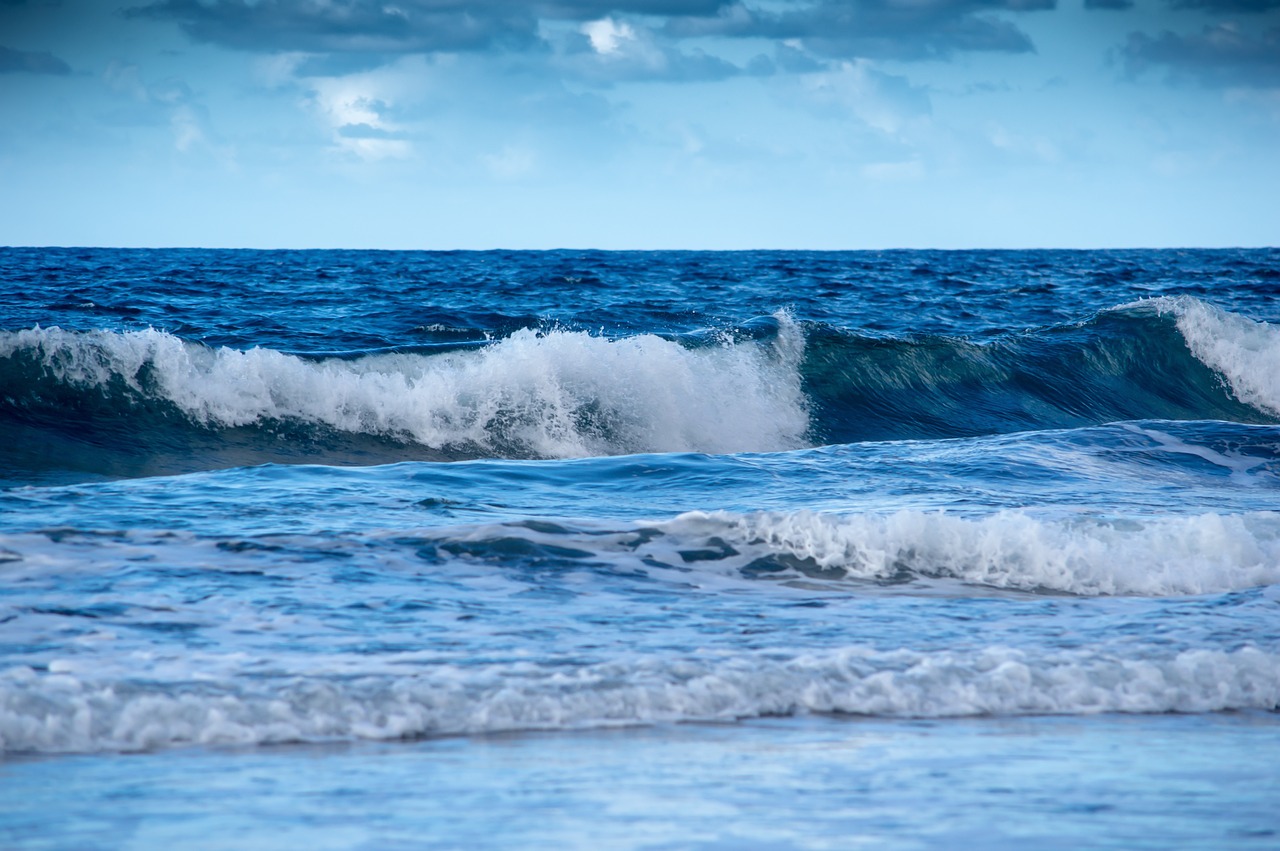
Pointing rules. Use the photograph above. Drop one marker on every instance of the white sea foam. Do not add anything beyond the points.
(1244, 352)
(554, 394)
(60, 712)
(1163, 556)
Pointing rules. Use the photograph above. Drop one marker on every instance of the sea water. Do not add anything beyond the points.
(642, 549)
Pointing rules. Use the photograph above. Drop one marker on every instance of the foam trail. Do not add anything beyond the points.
(555, 394)
(1171, 556)
(64, 711)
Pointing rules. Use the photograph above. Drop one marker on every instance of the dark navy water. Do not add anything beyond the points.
(327, 523)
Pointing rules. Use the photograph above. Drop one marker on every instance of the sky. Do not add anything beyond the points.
(640, 124)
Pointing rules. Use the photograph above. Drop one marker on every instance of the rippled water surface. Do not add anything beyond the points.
(750, 549)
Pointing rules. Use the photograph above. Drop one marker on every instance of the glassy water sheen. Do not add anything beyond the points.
(580, 549)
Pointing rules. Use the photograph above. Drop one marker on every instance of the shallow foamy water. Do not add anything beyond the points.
(1057, 782)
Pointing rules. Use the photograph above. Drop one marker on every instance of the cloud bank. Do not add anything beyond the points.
(893, 29)
(1222, 54)
(834, 29)
(23, 61)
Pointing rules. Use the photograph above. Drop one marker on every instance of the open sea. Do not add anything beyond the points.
(572, 549)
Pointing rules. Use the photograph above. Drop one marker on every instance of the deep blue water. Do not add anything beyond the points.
(255, 504)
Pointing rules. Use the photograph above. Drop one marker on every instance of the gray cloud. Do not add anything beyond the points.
(610, 52)
(1227, 5)
(674, 66)
(377, 27)
(586, 10)
(898, 29)
(18, 61)
(901, 29)
(355, 26)
(795, 61)
(1222, 54)
(365, 131)
(338, 64)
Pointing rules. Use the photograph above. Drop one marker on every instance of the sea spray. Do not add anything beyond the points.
(1245, 353)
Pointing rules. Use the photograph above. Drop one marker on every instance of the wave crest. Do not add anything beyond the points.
(1244, 352)
(768, 385)
(553, 394)
(1084, 556)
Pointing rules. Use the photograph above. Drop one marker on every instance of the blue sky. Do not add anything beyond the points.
(640, 123)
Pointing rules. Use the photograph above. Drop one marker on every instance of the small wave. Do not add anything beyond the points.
(1078, 555)
(1167, 359)
(1171, 556)
(67, 710)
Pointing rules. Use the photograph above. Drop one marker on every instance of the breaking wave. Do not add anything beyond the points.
(1087, 556)
(142, 402)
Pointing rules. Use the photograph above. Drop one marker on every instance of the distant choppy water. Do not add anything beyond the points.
(259, 497)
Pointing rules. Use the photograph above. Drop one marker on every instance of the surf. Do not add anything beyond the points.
(70, 710)
(1165, 359)
(146, 402)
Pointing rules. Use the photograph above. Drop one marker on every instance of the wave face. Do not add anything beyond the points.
(148, 401)
(1082, 556)
(1170, 358)
(552, 394)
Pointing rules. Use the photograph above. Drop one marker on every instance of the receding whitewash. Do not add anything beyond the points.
(58, 711)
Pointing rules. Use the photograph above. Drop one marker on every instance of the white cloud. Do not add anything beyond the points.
(607, 35)
(884, 102)
(616, 51)
(358, 110)
(169, 101)
(622, 49)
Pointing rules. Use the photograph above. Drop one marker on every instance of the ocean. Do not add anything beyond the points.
(577, 549)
